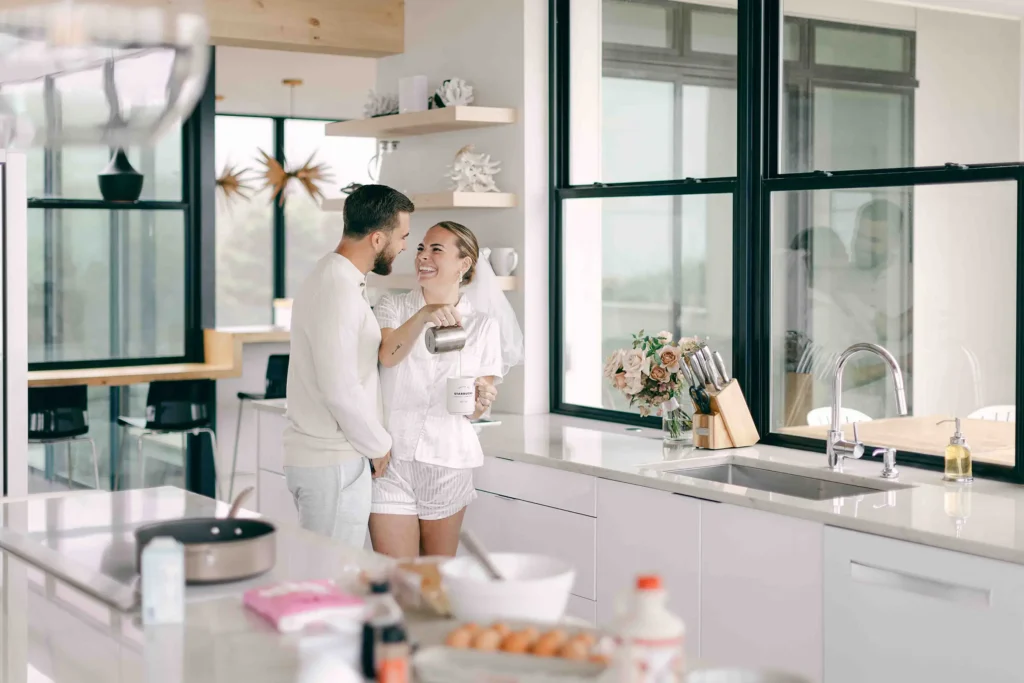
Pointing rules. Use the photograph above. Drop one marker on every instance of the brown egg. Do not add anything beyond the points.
(574, 649)
(587, 639)
(549, 643)
(599, 659)
(461, 638)
(487, 640)
(501, 628)
(519, 642)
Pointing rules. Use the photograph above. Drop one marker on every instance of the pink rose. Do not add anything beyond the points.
(659, 374)
(620, 380)
(669, 356)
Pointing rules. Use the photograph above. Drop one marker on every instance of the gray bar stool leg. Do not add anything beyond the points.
(142, 459)
(95, 463)
(234, 457)
(67, 456)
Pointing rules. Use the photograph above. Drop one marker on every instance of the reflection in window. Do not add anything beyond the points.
(641, 263)
(892, 266)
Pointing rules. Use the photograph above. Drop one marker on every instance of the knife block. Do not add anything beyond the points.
(729, 425)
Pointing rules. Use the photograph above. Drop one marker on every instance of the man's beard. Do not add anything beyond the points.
(383, 261)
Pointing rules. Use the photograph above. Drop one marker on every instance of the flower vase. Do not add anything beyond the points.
(675, 423)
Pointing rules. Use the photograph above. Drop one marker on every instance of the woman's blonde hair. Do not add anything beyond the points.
(468, 246)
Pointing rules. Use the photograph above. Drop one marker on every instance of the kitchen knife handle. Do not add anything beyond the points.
(720, 364)
(716, 379)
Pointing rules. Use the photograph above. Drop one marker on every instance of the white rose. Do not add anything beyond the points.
(633, 361)
(634, 384)
(665, 336)
(614, 362)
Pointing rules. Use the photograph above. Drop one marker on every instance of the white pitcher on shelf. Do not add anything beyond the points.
(504, 261)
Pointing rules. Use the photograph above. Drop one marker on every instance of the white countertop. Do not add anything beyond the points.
(993, 528)
(50, 631)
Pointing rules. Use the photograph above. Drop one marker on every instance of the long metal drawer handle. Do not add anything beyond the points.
(920, 585)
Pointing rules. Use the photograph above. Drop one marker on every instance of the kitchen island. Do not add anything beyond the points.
(51, 630)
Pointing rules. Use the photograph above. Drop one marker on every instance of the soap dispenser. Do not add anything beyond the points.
(958, 457)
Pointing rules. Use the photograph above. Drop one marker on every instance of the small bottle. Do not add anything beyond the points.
(650, 637)
(958, 457)
(163, 582)
(382, 611)
(393, 655)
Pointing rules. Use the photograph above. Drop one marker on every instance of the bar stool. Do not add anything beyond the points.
(274, 387)
(61, 415)
(173, 408)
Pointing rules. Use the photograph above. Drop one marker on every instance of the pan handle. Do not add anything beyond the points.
(239, 499)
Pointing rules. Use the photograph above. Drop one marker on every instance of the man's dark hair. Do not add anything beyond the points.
(372, 208)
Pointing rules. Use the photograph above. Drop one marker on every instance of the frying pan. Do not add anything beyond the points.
(217, 550)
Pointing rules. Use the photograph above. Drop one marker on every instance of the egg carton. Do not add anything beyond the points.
(450, 665)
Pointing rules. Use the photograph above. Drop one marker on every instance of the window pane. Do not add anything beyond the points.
(791, 41)
(639, 115)
(893, 267)
(245, 226)
(634, 23)
(105, 284)
(862, 49)
(860, 129)
(934, 86)
(641, 263)
(713, 32)
(309, 231)
(74, 170)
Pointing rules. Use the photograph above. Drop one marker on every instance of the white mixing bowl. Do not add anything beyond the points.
(536, 588)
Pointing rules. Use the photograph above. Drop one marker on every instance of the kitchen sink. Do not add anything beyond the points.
(774, 481)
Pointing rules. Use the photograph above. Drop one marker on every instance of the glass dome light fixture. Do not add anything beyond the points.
(99, 72)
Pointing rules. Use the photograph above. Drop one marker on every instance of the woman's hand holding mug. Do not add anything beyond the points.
(486, 392)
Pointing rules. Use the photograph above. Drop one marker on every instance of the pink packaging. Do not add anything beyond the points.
(292, 605)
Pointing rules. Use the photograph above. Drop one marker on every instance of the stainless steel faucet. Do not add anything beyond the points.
(837, 446)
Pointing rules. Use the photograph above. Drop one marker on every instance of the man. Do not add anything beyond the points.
(335, 440)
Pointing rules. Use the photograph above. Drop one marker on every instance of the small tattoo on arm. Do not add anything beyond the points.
(396, 349)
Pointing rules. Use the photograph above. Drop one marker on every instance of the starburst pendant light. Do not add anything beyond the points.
(99, 72)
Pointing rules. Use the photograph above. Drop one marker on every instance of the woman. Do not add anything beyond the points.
(420, 500)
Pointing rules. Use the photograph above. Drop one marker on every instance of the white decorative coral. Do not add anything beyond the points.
(453, 92)
(473, 172)
(380, 105)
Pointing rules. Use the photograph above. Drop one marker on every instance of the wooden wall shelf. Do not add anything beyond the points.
(423, 122)
(445, 200)
(399, 281)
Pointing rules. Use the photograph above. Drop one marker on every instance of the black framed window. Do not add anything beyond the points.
(265, 249)
(867, 158)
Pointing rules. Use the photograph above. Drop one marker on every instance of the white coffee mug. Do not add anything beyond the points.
(461, 395)
(504, 260)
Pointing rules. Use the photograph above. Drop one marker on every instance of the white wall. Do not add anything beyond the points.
(501, 48)
(334, 87)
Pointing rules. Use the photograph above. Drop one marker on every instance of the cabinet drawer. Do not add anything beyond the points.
(510, 525)
(275, 500)
(538, 484)
(898, 611)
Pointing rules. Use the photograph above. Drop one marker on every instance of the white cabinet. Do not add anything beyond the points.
(276, 501)
(538, 484)
(509, 525)
(642, 530)
(898, 611)
(761, 590)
